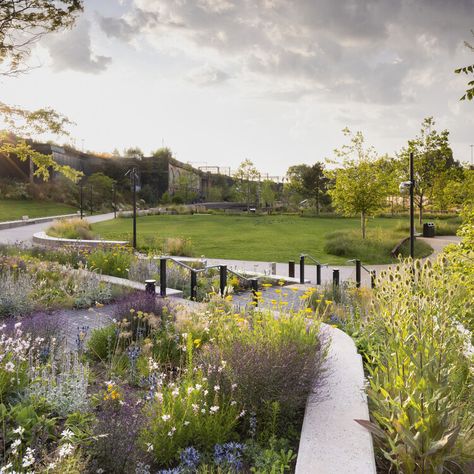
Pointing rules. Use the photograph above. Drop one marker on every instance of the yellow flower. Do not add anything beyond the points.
(294, 289)
(197, 342)
(308, 310)
(328, 301)
(278, 291)
(266, 285)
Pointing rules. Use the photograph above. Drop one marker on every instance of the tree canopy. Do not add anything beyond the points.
(468, 70)
(23, 22)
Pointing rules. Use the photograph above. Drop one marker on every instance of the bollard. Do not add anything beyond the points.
(254, 286)
(291, 269)
(274, 268)
(150, 287)
(335, 277)
(373, 276)
(302, 269)
(163, 276)
(223, 278)
(358, 273)
(318, 274)
(193, 285)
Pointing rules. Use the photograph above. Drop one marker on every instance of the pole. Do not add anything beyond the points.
(358, 273)
(114, 190)
(134, 180)
(223, 278)
(412, 207)
(81, 198)
(302, 269)
(318, 274)
(92, 208)
(291, 268)
(163, 277)
(193, 285)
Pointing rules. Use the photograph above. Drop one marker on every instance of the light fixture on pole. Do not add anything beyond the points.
(408, 187)
(133, 173)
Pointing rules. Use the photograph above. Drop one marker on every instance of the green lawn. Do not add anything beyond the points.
(265, 238)
(13, 210)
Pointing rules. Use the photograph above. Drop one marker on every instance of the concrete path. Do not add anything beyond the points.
(347, 272)
(25, 233)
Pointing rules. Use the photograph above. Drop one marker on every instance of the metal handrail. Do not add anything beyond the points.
(241, 276)
(314, 260)
(361, 266)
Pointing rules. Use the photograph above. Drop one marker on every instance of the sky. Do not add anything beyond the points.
(274, 81)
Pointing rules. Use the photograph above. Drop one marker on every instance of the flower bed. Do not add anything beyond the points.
(163, 389)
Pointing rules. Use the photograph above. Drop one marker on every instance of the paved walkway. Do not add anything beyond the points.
(25, 233)
(347, 272)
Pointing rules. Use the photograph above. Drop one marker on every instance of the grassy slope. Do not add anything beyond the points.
(265, 238)
(13, 210)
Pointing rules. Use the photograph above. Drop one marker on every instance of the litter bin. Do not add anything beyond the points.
(428, 229)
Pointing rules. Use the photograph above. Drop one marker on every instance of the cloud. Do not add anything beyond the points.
(207, 76)
(73, 50)
(364, 50)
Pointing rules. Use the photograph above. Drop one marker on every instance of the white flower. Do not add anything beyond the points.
(203, 411)
(100, 471)
(242, 413)
(214, 409)
(232, 403)
(149, 448)
(15, 445)
(10, 367)
(234, 386)
(195, 407)
(17, 325)
(198, 386)
(51, 465)
(216, 388)
(165, 417)
(67, 434)
(28, 458)
(171, 431)
(66, 450)
(186, 423)
(159, 396)
(175, 392)
(206, 392)
(190, 389)
(20, 430)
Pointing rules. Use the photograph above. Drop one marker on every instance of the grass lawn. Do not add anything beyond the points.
(13, 210)
(264, 238)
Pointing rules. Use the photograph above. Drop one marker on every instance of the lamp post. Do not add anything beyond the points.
(132, 172)
(91, 202)
(410, 187)
(114, 198)
(81, 197)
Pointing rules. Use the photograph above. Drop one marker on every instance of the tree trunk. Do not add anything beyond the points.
(362, 222)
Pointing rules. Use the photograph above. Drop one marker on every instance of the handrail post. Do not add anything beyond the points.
(335, 282)
(163, 276)
(254, 284)
(318, 274)
(150, 287)
(291, 269)
(223, 278)
(193, 285)
(373, 276)
(358, 273)
(302, 269)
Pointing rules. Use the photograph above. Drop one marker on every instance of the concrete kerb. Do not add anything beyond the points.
(43, 239)
(332, 442)
(34, 220)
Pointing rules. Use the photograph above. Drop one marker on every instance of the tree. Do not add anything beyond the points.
(23, 22)
(469, 70)
(100, 189)
(357, 187)
(133, 152)
(310, 182)
(246, 176)
(268, 195)
(432, 156)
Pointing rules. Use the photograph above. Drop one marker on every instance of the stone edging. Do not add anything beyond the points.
(33, 220)
(331, 441)
(44, 239)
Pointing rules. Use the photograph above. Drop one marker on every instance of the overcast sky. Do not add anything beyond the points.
(274, 81)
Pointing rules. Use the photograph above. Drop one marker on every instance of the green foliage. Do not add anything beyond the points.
(468, 70)
(358, 187)
(420, 385)
(115, 262)
(71, 229)
(246, 178)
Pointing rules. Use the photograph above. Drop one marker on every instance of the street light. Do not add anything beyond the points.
(81, 197)
(132, 172)
(405, 188)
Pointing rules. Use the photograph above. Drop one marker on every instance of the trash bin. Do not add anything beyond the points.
(428, 229)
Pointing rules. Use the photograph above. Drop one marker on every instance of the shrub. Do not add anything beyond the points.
(420, 385)
(90, 290)
(188, 411)
(115, 262)
(102, 341)
(62, 386)
(266, 355)
(16, 288)
(71, 229)
(178, 246)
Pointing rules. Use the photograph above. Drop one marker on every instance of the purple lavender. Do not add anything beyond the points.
(229, 456)
(190, 459)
